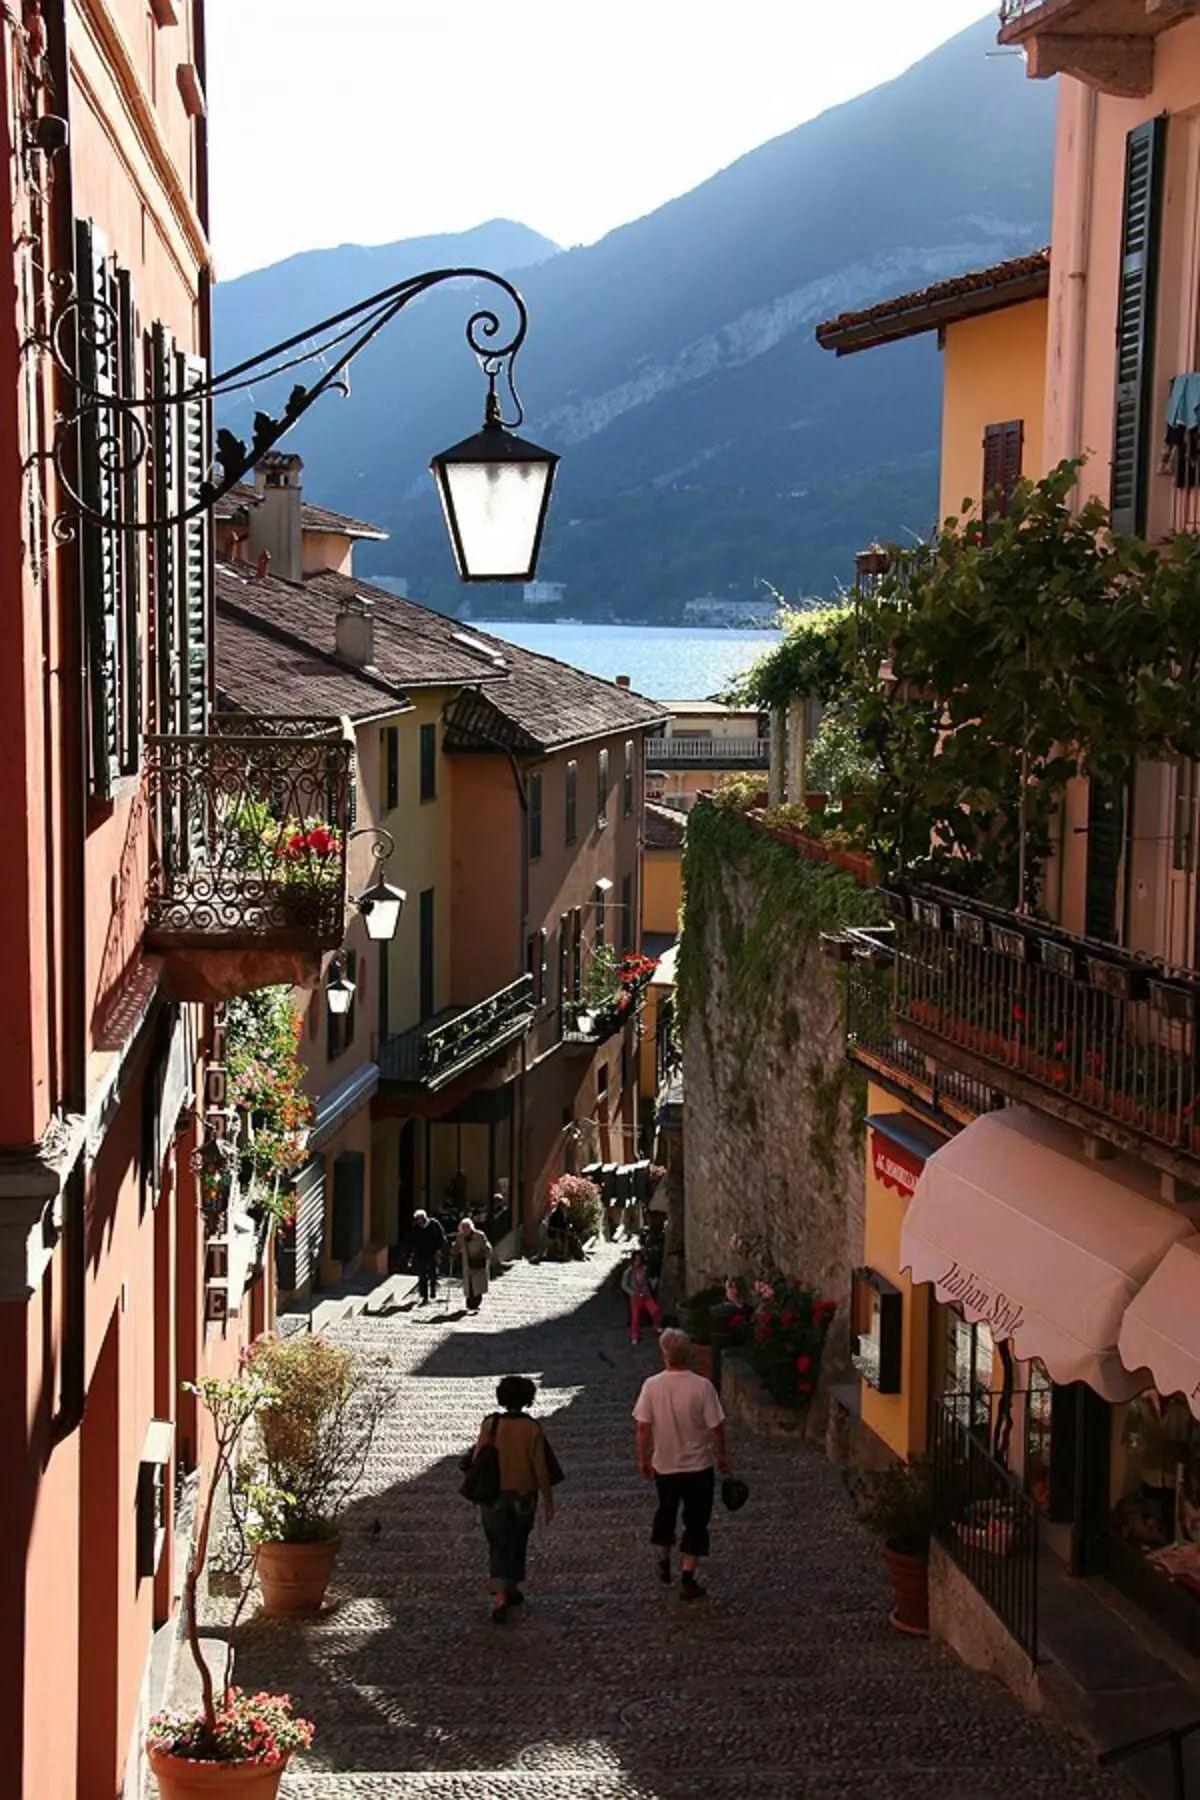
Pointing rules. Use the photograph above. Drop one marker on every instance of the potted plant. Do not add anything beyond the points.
(306, 1455)
(238, 1742)
(897, 1502)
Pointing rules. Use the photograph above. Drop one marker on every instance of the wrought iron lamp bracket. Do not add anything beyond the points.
(122, 424)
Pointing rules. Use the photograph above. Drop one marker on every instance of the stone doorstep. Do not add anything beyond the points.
(1100, 1677)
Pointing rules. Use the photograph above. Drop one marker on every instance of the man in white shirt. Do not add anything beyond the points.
(680, 1436)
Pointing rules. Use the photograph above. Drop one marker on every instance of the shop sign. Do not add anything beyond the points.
(980, 1301)
(895, 1166)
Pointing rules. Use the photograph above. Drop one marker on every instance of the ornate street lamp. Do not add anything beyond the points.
(339, 993)
(495, 490)
(380, 904)
(494, 487)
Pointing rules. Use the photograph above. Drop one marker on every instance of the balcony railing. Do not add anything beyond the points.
(1102, 1038)
(879, 1046)
(709, 752)
(248, 841)
(986, 1522)
(445, 1047)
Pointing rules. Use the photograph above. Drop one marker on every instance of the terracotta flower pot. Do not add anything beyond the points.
(910, 1589)
(293, 1577)
(179, 1778)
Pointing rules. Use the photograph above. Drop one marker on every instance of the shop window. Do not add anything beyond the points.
(875, 1327)
(1157, 1484)
(967, 1387)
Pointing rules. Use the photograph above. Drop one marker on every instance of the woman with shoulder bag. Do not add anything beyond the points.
(476, 1253)
(515, 1461)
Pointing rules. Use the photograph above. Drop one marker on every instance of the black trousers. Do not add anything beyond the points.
(427, 1276)
(693, 1489)
(507, 1524)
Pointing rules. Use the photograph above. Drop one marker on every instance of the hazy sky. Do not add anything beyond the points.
(364, 121)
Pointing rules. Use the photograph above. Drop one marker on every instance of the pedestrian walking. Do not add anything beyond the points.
(426, 1241)
(476, 1254)
(558, 1225)
(680, 1436)
(636, 1283)
(525, 1467)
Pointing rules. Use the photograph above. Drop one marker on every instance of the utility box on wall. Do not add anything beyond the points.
(876, 1317)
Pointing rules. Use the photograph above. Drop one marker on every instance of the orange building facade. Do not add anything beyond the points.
(114, 1288)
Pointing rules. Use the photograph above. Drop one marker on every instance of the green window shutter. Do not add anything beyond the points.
(1104, 831)
(193, 550)
(131, 558)
(1140, 228)
(169, 679)
(100, 487)
(428, 767)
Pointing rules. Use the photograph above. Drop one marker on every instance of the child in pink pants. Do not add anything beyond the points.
(636, 1283)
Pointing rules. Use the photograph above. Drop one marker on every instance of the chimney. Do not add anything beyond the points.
(355, 632)
(263, 563)
(622, 681)
(275, 521)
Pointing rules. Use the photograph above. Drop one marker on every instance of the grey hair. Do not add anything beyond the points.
(676, 1348)
(467, 1225)
(420, 1216)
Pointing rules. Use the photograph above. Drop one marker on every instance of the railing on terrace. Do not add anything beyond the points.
(709, 752)
(1101, 1037)
(879, 1047)
(446, 1047)
(248, 839)
(1011, 10)
(986, 1522)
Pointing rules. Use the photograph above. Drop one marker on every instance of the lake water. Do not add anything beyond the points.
(661, 662)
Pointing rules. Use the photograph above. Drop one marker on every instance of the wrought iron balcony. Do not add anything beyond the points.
(708, 752)
(432, 1055)
(1095, 1035)
(881, 1048)
(248, 836)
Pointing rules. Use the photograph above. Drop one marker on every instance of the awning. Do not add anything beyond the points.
(1161, 1330)
(1012, 1223)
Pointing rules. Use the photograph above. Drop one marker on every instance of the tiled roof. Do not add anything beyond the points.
(663, 828)
(512, 699)
(531, 703)
(262, 668)
(243, 495)
(961, 297)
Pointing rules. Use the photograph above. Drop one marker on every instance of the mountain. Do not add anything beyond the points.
(707, 442)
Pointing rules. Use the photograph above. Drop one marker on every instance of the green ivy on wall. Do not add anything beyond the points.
(762, 958)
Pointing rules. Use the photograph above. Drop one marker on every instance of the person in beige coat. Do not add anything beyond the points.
(476, 1254)
(524, 1474)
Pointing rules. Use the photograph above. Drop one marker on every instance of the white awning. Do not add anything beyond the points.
(1161, 1330)
(1015, 1225)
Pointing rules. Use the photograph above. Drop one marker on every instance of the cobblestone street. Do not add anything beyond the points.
(788, 1682)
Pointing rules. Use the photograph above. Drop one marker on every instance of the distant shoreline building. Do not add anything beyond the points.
(749, 615)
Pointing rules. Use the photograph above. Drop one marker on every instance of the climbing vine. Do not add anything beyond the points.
(794, 902)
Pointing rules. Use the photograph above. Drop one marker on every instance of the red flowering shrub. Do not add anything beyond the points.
(253, 1728)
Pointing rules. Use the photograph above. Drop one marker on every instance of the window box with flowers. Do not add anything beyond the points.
(612, 993)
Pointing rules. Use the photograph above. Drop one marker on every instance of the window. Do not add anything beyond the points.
(428, 984)
(1002, 445)
(389, 758)
(627, 790)
(428, 762)
(571, 802)
(339, 1027)
(601, 789)
(535, 815)
(628, 938)
(598, 919)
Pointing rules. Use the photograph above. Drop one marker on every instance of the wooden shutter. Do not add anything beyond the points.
(131, 548)
(1140, 226)
(192, 438)
(1002, 447)
(1105, 820)
(169, 680)
(100, 488)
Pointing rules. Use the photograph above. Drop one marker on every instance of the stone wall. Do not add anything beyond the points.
(772, 1116)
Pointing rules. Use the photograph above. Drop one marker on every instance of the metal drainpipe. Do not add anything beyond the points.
(73, 1371)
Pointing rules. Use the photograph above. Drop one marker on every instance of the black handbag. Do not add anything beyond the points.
(481, 1483)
